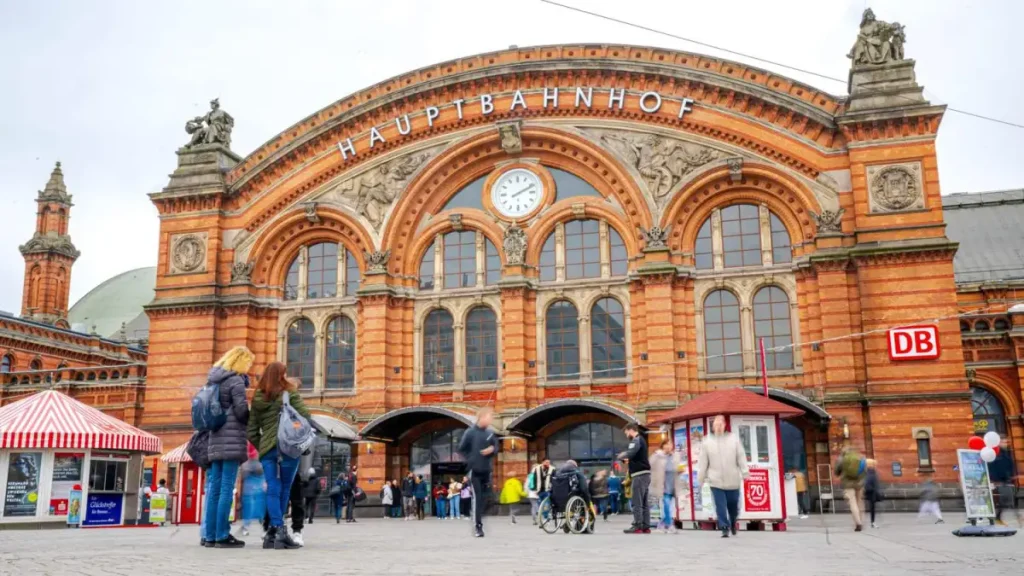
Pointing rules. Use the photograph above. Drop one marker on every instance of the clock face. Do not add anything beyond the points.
(517, 193)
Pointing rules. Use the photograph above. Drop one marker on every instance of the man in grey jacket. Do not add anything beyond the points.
(723, 464)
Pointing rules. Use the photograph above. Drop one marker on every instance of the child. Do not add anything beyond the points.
(930, 501)
(801, 491)
(254, 491)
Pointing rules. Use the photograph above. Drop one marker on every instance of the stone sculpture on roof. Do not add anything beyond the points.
(213, 128)
(877, 42)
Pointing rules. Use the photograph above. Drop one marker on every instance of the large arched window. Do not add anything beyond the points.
(741, 235)
(316, 273)
(739, 238)
(988, 412)
(340, 361)
(563, 341)
(722, 343)
(782, 252)
(481, 345)
(702, 251)
(301, 352)
(438, 348)
(590, 443)
(458, 262)
(608, 338)
(583, 255)
(771, 322)
(6, 364)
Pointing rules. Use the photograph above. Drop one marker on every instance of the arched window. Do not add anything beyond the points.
(548, 260)
(492, 263)
(608, 338)
(291, 281)
(618, 255)
(1001, 324)
(36, 365)
(562, 331)
(79, 377)
(741, 235)
(341, 354)
(91, 377)
(771, 322)
(427, 269)
(988, 412)
(703, 253)
(322, 275)
(590, 443)
(965, 326)
(568, 185)
(6, 364)
(481, 345)
(468, 197)
(352, 277)
(981, 326)
(460, 259)
(301, 352)
(582, 249)
(782, 251)
(115, 375)
(439, 447)
(722, 344)
(438, 348)
(34, 294)
(103, 375)
(924, 449)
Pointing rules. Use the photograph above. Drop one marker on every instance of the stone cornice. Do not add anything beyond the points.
(43, 244)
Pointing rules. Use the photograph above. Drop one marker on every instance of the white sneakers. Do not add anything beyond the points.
(297, 537)
(803, 516)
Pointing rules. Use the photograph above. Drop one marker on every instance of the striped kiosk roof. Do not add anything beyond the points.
(50, 419)
(177, 455)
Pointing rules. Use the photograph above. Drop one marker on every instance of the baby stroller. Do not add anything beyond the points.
(568, 507)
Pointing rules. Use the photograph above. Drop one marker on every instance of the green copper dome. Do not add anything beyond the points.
(115, 301)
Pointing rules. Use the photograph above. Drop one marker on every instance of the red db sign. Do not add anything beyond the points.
(914, 343)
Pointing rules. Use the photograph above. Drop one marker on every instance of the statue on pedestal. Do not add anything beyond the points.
(213, 128)
(877, 42)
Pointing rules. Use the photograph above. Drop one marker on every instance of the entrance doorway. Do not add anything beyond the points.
(593, 445)
(190, 494)
(435, 456)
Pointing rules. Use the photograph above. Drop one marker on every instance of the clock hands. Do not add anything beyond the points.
(523, 190)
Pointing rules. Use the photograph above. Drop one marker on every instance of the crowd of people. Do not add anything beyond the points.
(272, 482)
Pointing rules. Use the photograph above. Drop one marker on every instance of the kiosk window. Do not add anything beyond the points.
(107, 475)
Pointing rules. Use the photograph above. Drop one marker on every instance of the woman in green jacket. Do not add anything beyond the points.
(278, 469)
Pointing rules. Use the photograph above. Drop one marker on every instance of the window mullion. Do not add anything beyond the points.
(481, 259)
(303, 271)
(606, 252)
(342, 275)
(439, 263)
(747, 344)
(764, 221)
(560, 252)
(717, 250)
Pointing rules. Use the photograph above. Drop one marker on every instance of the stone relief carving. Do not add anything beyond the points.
(213, 128)
(877, 42)
(661, 162)
(511, 140)
(656, 236)
(895, 187)
(829, 221)
(241, 272)
(514, 244)
(456, 221)
(579, 210)
(311, 213)
(735, 168)
(377, 261)
(373, 192)
(188, 253)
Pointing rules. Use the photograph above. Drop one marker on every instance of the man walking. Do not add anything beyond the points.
(723, 464)
(409, 496)
(851, 468)
(478, 446)
(640, 479)
(1000, 472)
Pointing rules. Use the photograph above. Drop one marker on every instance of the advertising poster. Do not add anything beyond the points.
(67, 472)
(975, 484)
(22, 495)
(681, 441)
(158, 508)
(756, 495)
(103, 510)
(703, 503)
(75, 507)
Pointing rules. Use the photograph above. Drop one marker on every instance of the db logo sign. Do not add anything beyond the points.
(914, 343)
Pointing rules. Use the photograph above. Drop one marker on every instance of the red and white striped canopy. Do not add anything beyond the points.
(177, 455)
(50, 419)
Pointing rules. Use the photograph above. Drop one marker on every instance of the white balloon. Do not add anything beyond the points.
(992, 439)
(988, 454)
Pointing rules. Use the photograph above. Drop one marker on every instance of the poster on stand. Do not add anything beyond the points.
(681, 442)
(67, 472)
(74, 508)
(22, 496)
(158, 508)
(703, 503)
(103, 510)
(974, 483)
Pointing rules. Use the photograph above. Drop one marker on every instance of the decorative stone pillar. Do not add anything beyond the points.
(319, 362)
(303, 273)
(717, 250)
(439, 263)
(606, 252)
(560, 252)
(585, 340)
(342, 272)
(481, 260)
(459, 371)
(766, 235)
(747, 343)
(512, 355)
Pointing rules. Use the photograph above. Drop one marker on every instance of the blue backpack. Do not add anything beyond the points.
(207, 413)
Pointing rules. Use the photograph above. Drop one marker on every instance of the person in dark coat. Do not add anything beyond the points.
(228, 447)
(872, 489)
(310, 492)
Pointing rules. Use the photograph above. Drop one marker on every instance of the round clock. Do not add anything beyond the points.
(517, 192)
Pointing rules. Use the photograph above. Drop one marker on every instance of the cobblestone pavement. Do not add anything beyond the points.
(373, 546)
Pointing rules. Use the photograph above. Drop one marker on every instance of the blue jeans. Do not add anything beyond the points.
(442, 507)
(667, 510)
(280, 472)
(540, 499)
(453, 505)
(601, 504)
(727, 507)
(614, 500)
(202, 517)
(338, 504)
(220, 484)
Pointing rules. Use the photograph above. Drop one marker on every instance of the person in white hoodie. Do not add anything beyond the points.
(723, 465)
(386, 497)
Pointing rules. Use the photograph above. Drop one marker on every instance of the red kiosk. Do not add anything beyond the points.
(756, 420)
(191, 486)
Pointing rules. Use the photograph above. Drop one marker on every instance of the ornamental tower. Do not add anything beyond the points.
(49, 256)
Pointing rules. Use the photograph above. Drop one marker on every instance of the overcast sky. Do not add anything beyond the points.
(106, 87)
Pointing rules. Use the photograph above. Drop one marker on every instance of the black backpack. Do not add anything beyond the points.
(198, 449)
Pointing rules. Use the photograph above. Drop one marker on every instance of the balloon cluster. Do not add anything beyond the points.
(987, 445)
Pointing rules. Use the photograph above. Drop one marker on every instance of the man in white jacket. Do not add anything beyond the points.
(723, 464)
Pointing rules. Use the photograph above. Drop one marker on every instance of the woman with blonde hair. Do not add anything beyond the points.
(227, 448)
(278, 469)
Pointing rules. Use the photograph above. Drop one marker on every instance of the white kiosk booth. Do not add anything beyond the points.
(755, 419)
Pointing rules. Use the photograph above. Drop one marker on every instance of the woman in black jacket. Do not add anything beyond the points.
(228, 446)
(872, 489)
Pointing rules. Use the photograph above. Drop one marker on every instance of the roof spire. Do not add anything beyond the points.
(55, 189)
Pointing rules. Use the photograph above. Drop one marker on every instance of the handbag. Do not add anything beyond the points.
(358, 495)
(335, 491)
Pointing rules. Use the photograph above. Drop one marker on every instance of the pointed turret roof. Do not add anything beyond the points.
(55, 190)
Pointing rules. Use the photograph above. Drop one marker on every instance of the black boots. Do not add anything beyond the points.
(283, 540)
(269, 537)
